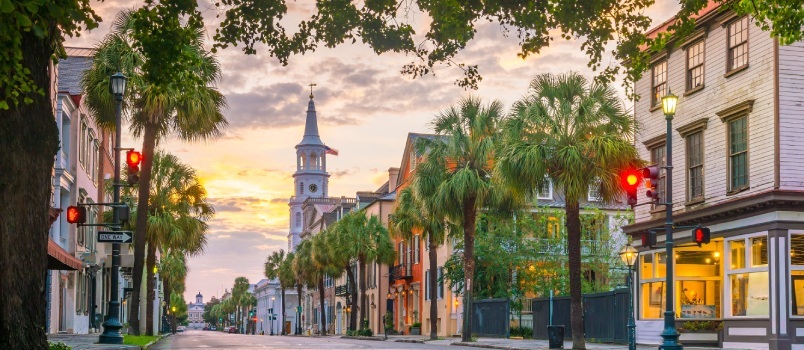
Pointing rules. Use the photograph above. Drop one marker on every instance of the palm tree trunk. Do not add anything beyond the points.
(323, 330)
(28, 143)
(283, 313)
(363, 306)
(298, 314)
(469, 218)
(433, 255)
(350, 280)
(166, 289)
(151, 293)
(148, 145)
(574, 253)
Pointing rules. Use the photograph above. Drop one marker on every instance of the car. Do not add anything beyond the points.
(232, 330)
(213, 328)
(181, 328)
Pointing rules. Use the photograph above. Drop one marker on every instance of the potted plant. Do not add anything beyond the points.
(416, 327)
(701, 332)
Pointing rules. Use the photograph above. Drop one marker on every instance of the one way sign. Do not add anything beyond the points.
(115, 236)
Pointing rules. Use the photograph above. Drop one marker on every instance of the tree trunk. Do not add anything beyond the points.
(469, 218)
(350, 280)
(151, 285)
(166, 289)
(298, 314)
(363, 306)
(283, 313)
(28, 142)
(148, 145)
(574, 253)
(323, 330)
(433, 255)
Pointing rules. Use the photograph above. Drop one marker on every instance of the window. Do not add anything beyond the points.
(416, 248)
(413, 161)
(298, 219)
(738, 153)
(657, 156)
(593, 192)
(546, 190)
(301, 187)
(747, 276)
(427, 285)
(440, 283)
(695, 65)
(738, 44)
(695, 166)
(659, 89)
(797, 274)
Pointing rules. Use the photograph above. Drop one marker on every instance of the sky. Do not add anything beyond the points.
(366, 108)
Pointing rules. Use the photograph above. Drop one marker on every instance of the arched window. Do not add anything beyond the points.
(298, 219)
(301, 187)
(313, 161)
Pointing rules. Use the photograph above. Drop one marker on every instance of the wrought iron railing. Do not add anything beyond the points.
(401, 271)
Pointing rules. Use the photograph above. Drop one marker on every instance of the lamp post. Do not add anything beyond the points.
(111, 327)
(173, 324)
(629, 256)
(271, 318)
(389, 296)
(669, 335)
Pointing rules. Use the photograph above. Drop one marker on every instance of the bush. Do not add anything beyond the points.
(524, 332)
(416, 325)
(59, 346)
(366, 332)
(351, 333)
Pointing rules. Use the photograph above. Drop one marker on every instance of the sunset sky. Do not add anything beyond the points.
(365, 107)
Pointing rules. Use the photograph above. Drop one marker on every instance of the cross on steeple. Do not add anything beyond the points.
(311, 90)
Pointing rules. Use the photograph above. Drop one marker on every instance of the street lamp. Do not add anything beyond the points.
(111, 327)
(670, 334)
(629, 255)
(173, 324)
(272, 314)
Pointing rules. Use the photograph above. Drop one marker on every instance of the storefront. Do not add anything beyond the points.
(743, 289)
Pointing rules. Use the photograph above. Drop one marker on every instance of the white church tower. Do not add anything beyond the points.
(311, 178)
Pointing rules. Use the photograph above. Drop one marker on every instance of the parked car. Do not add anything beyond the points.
(213, 328)
(181, 328)
(232, 330)
(205, 328)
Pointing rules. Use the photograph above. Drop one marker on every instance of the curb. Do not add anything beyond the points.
(362, 338)
(415, 341)
(486, 346)
(161, 336)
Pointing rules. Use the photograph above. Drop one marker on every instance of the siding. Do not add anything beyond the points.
(791, 115)
(756, 82)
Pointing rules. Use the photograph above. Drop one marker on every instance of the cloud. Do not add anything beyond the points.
(343, 172)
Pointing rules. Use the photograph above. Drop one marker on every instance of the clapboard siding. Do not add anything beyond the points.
(755, 83)
(791, 116)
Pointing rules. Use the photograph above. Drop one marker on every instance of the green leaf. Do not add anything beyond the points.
(3, 105)
(6, 6)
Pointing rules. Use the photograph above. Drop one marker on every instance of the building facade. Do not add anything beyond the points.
(195, 313)
(737, 171)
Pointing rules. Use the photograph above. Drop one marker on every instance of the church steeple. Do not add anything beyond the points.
(311, 136)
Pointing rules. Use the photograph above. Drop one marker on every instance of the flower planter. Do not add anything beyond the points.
(415, 331)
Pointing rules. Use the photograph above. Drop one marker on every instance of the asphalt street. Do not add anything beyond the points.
(218, 340)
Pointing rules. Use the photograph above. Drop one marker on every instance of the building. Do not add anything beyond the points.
(270, 318)
(195, 313)
(737, 171)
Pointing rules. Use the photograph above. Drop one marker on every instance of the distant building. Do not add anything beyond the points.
(195, 313)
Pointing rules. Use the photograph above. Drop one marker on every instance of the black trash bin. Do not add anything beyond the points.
(555, 336)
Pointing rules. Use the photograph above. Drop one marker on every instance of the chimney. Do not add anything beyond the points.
(393, 176)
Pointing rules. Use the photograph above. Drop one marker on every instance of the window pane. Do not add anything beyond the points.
(653, 299)
(737, 249)
(749, 294)
(703, 262)
(797, 250)
(646, 269)
(695, 164)
(759, 251)
(699, 299)
(797, 283)
(661, 265)
(695, 60)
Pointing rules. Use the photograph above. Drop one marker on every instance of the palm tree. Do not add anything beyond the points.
(458, 166)
(187, 105)
(576, 134)
(173, 270)
(280, 267)
(304, 265)
(414, 212)
(239, 298)
(342, 256)
(366, 239)
(177, 218)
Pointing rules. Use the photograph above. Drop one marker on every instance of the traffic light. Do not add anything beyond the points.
(651, 175)
(76, 214)
(630, 182)
(700, 235)
(133, 159)
(648, 239)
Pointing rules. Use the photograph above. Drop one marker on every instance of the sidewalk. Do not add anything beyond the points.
(508, 344)
(87, 341)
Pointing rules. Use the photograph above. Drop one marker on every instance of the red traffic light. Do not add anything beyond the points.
(630, 182)
(133, 158)
(700, 235)
(76, 214)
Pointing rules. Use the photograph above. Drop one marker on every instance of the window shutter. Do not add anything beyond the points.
(417, 248)
(440, 283)
(427, 285)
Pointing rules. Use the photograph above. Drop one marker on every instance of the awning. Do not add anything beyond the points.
(60, 259)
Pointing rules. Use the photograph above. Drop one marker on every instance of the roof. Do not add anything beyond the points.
(60, 259)
(709, 8)
(311, 137)
(71, 70)
(79, 51)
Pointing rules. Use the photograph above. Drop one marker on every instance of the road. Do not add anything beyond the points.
(193, 339)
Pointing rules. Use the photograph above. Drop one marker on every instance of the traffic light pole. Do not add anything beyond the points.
(670, 334)
(111, 327)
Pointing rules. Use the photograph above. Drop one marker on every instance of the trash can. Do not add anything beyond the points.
(555, 337)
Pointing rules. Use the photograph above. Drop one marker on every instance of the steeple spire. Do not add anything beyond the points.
(311, 136)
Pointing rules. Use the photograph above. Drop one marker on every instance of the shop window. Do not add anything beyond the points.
(759, 251)
(797, 284)
(737, 254)
(797, 274)
(661, 265)
(748, 282)
(646, 267)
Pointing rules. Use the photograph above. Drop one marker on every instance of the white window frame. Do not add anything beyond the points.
(596, 186)
(728, 271)
(550, 192)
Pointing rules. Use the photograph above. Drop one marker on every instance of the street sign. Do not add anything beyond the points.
(115, 236)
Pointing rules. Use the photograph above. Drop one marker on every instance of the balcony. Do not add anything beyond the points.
(559, 247)
(343, 290)
(401, 271)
